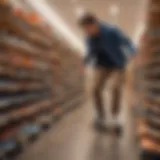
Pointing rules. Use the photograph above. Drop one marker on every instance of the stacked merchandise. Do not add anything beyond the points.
(148, 81)
(40, 78)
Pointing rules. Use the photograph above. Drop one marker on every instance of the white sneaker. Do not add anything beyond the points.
(113, 123)
(101, 124)
(116, 126)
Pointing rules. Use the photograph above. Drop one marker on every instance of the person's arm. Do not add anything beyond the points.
(125, 43)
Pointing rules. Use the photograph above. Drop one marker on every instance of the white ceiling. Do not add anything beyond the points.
(128, 14)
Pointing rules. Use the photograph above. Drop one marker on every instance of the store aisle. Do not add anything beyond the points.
(73, 138)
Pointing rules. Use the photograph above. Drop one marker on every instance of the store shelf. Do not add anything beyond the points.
(18, 45)
(8, 147)
(23, 112)
(21, 74)
(14, 87)
(24, 30)
(18, 61)
(8, 102)
(39, 76)
(149, 87)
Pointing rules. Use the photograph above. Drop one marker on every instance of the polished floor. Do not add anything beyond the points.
(74, 138)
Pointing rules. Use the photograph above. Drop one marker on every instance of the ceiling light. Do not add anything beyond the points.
(139, 30)
(79, 11)
(57, 22)
(114, 10)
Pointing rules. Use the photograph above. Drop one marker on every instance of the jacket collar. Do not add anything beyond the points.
(102, 30)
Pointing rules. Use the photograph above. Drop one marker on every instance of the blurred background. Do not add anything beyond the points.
(45, 112)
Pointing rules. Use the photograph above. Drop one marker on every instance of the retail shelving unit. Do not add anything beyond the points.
(148, 89)
(40, 79)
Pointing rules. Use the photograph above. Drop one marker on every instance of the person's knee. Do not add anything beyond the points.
(116, 87)
(118, 81)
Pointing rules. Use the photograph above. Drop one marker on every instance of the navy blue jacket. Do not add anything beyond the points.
(106, 48)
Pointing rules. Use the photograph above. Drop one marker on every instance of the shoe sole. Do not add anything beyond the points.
(101, 128)
(117, 130)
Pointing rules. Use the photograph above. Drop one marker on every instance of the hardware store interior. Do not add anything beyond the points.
(47, 109)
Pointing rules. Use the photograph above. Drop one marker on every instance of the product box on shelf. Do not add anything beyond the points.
(39, 76)
(148, 79)
(29, 132)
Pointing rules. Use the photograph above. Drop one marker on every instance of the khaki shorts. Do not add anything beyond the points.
(103, 75)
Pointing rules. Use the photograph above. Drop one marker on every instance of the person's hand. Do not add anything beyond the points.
(129, 80)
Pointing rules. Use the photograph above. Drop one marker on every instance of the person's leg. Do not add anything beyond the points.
(101, 75)
(116, 92)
